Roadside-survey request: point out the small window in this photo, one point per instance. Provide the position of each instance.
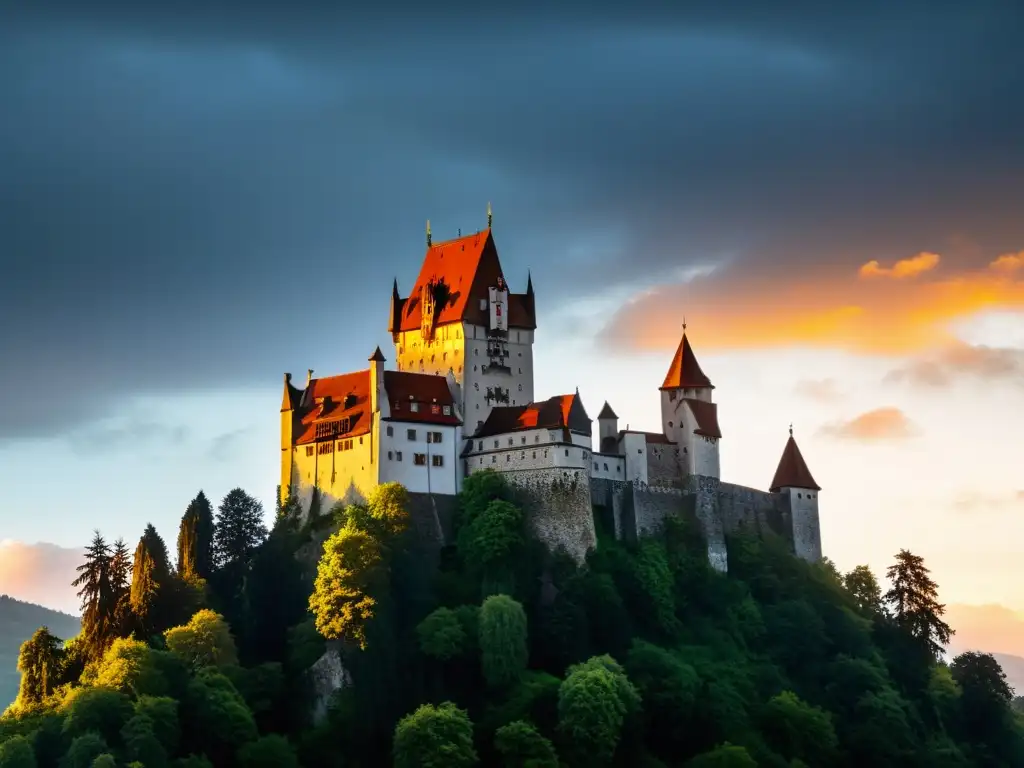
(508, 457)
(520, 387)
(566, 451)
(495, 443)
(476, 386)
(391, 455)
(536, 438)
(480, 444)
(479, 424)
(437, 461)
(522, 455)
(511, 441)
(419, 459)
(435, 409)
(414, 407)
(410, 434)
(446, 410)
(434, 437)
(595, 466)
(535, 454)
(523, 440)
(493, 458)
(391, 431)
(605, 467)
(670, 423)
(309, 450)
(545, 453)
(360, 441)
(639, 450)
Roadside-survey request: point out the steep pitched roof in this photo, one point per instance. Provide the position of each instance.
(559, 412)
(685, 372)
(607, 412)
(467, 266)
(291, 396)
(792, 471)
(431, 392)
(706, 415)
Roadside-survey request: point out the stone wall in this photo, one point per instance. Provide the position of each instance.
(747, 509)
(663, 468)
(558, 506)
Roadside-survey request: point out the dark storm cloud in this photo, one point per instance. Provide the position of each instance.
(205, 195)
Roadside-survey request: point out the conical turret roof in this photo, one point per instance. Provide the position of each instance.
(607, 412)
(685, 372)
(793, 471)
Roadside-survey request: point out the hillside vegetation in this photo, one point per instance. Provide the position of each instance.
(18, 620)
(494, 652)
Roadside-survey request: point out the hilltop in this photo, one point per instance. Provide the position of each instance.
(18, 620)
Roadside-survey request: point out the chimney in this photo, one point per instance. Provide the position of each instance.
(309, 377)
(376, 379)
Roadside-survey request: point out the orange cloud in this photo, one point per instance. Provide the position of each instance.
(40, 573)
(879, 424)
(1008, 262)
(816, 307)
(923, 262)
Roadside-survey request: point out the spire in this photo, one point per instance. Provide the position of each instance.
(490, 217)
(377, 356)
(685, 371)
(394, 290)
(607, 412)
(529, 283)
(792, 471)
(428, 236)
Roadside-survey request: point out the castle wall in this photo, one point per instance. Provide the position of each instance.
(750, 510)
(438, 471)
(558, 505)
(663, 468)
(608, 467)
(347, 476)
(705, 456)
(634, 449)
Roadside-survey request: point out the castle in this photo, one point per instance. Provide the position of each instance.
(461, 400)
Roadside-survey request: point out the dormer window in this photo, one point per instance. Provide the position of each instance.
(350, 401)
(414, 407)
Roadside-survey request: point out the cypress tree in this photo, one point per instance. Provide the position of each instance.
(144, 588)
(195, 539)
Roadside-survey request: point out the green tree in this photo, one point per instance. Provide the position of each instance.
(442, 635)
(17, 752)
(798, 730)
(217, 720)
(239, 529)
(40, 662)
(503, 640)
(120, 586)
(388, 508)
(491, 541)
(162, 713)
(594, 701)
(99, 601)
(205, 641)
(913, 599)
(84, 750)
(96, 710)
(521, 745)
(350, 573)
(144, 588)
(129, 666)
(670, 689)
(986, 697)
(107, 760)
(195, 540)
(862, 584)
(435, 737)
(271, 751)
(726, 756)
(141, 743)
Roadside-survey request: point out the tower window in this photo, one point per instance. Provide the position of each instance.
(419, 459)
(437, 461)
(410, 434)
(391, 455)
(309, 450)
(398, 455)
(391, 431)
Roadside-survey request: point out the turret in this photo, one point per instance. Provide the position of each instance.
(608, 430)
(376, 379)
(794, 483)
(689, 416)
(289, 400)
(395, 317)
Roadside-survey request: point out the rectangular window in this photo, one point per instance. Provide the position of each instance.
(437, 461)
(446, 410)
(398, 455)
(360, 441)
(433, 437)
(435, 409)
(309, 450)
(414, 407)
(411, 434)
(419, 459)
(495, 443)
(391, 431)
(480, 445)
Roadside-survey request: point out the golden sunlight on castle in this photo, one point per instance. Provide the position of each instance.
(460, 400)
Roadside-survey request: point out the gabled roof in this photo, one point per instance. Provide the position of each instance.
(607, 412)
(792, 471)
(685, 372)
(559, 412)
(430, 391)
(467, 267)
(706, 415)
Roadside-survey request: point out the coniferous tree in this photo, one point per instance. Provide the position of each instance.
(144, 588)
(239, 530)
(39, 663)
(862, 584)
(195, 540)
(158, 551)
(99, 606)
(913, 600)
(120, 586)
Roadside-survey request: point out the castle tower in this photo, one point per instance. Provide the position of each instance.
(460, 316)
(793, 481)
(608, 430)
(289, 402)
(689, 416)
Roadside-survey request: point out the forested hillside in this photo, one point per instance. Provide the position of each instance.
(492, 651)
(18, 620)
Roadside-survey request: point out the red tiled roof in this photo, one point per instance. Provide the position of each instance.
(559, 412)
(467, 266)
(404, 387)
(685, 372)
(351, 388)
(792, 471)
(706, 415)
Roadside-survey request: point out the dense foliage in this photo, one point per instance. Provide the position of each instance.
(350, 639)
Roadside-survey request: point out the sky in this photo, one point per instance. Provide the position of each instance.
(196, 200)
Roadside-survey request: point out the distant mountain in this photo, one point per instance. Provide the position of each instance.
(18, 621)
(1013, 666)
